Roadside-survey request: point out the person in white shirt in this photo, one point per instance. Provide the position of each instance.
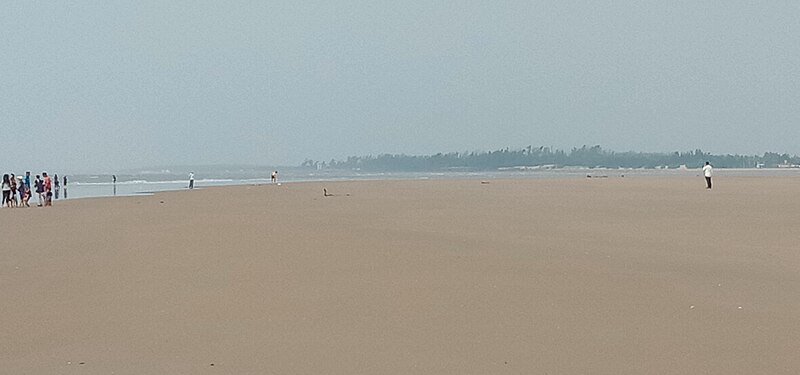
(191, 180)
(707, 172)
(6, 190)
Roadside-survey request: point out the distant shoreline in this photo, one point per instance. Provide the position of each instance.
(80, 188)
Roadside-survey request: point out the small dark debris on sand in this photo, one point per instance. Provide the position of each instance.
(326, 194)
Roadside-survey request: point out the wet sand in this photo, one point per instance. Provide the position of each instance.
(635, 275)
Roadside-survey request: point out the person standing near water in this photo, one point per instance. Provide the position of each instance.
(274, 177)
(13, 181)
(39, 185)
(57, 184)
(6, 191)
(191, 180)
(48, 190)
(24, 192)
(707, 171)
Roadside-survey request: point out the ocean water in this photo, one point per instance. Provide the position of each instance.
(146, 182)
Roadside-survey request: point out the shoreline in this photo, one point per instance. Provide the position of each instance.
(411, 176)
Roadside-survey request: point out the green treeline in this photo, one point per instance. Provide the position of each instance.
(593, 157)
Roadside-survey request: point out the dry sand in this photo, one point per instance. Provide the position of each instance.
(572, 276)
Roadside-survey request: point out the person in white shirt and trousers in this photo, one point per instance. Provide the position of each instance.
(707, 172)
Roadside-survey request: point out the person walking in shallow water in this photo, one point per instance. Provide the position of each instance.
(707, 172)
(191, 180)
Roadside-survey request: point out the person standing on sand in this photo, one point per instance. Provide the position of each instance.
(191, 180)
(13, 180)
(39, 185)
(707, 171)
(274, 177)
(24, 193)
(48, 190)
(57, 184)
(6, 191)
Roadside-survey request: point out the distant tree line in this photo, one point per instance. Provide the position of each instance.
(547, 157)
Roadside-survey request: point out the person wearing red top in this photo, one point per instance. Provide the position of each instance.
(48, 190)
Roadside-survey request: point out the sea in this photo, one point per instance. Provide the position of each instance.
(149, 182)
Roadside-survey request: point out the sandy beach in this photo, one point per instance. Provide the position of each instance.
(634, 275)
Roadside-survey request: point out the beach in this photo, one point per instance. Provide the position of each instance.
(633, 275)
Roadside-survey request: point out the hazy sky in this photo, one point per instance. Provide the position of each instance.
(106, 85)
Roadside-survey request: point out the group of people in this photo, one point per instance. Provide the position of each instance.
(18, 190)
